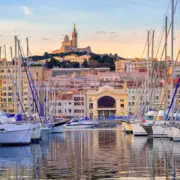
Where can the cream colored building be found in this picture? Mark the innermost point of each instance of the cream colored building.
(7, 88)
(130, 65)
(75, 58)
(120, 65)
(107, 101)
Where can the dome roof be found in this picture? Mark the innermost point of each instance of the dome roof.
(66, 38)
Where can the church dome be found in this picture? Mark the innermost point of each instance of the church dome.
(66, 38)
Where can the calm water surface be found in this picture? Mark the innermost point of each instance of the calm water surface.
(92, 154)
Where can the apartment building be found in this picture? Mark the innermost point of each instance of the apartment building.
(8, 98)
(73, 103)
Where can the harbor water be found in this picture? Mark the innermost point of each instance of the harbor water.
(92, 154)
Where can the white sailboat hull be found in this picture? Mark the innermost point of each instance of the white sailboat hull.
(36, 134)
(15, 134)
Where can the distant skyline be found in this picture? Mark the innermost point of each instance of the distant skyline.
(108, 26)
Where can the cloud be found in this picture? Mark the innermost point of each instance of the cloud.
(45, 39)
(26, 10)
(104, 33)
(100, 32)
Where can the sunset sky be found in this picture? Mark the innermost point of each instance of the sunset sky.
(108, 26)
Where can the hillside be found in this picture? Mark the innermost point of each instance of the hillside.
(96, 60)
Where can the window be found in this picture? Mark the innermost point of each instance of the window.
(129, 103)
(90, 105)
(59, 111)
(76, 98)
(59, 104)
(121, 100)
(69, 103)
(133, 97)
(70, 111)
(77, 103)
(122, 105)
(65, 110)
(78, 111)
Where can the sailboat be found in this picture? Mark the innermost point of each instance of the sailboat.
(12, 132)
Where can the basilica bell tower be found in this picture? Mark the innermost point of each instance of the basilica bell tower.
(74, 37)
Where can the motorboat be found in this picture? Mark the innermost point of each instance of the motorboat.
(58, 127)
(154, 124)
(137, 128)
(81, 123)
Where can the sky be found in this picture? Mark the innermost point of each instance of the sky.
(108, 26)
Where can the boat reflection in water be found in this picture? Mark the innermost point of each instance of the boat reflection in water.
(93, 154)
(21, 162)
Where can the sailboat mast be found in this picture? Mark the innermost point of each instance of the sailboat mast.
(165, 68)
(172, 45)
(29, 99)
(148, 63)
(7, 102)
(151, 74)
(19, 80)
(15, 75)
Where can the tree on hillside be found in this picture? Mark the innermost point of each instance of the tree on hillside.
(46, 54)
(85, 64)
(52, 63)
(93, 63)
(75, 64)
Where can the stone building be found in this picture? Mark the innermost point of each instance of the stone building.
(71, 45)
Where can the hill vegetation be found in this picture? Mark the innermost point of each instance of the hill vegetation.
(96, 60)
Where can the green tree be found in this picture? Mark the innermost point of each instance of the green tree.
(85, 64)
(75, 65)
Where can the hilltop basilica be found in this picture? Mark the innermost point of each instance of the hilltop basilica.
(72, 45)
